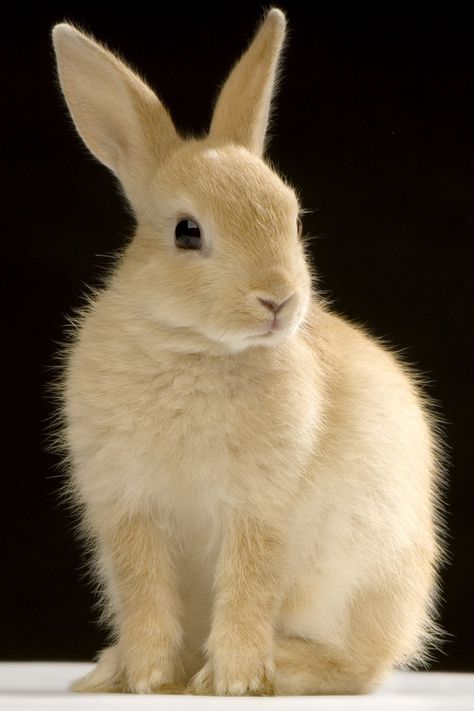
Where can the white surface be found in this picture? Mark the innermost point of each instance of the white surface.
(41, 685)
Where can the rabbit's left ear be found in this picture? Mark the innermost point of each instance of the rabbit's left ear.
(119, 118)
(242, 110)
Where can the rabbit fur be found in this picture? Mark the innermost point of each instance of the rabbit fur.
(256, 478)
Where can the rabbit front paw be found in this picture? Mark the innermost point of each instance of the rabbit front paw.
(238, 675)
(133, 672)
(148, 674)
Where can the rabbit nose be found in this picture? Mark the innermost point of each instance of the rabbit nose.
(272, 305)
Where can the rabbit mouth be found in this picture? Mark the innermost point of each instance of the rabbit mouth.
(267, 334)
(276, 327)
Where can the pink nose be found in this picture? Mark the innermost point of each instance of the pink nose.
(272, 305)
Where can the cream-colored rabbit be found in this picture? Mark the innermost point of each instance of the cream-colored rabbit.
(257, 477)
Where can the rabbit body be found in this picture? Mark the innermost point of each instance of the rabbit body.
(322, 440)
(261, 518)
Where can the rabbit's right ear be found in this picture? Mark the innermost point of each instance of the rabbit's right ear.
(242, 111)
(119, 118)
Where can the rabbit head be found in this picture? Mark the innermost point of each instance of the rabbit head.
(218, 251)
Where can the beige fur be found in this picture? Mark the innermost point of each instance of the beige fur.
(261, 509)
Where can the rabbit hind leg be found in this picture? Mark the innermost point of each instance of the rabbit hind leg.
(106, 676)
(388, 626)
(306, 667)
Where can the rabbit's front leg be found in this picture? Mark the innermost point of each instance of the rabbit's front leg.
(246, 585)
(137, 563)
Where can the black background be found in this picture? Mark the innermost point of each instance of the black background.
(373, 124)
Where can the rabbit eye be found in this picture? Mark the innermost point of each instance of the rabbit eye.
(188, 235)
(299, 226)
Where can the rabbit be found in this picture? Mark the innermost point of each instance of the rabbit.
(255, 477)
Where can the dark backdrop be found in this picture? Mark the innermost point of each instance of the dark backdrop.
(374, 122)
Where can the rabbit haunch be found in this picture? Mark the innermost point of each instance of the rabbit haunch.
(255, 476)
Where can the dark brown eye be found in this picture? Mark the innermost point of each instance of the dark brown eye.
(299, 226)
(188, 234)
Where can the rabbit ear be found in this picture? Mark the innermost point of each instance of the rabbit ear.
(242, 110)
(119, 118)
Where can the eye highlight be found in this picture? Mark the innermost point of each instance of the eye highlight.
(187, 234)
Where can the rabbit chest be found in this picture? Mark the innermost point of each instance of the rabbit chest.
(190, 430)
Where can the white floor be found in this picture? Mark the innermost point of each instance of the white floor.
(44, 685)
